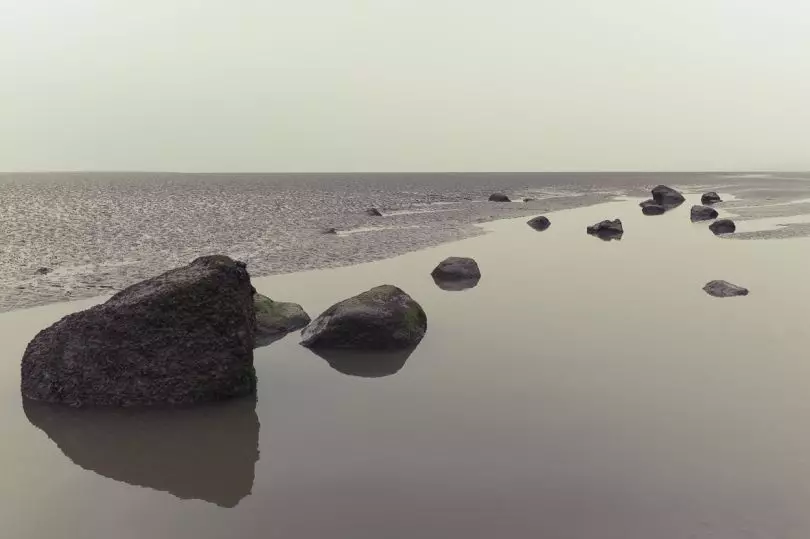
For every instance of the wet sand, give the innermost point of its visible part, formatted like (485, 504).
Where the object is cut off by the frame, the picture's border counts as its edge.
(584, 389)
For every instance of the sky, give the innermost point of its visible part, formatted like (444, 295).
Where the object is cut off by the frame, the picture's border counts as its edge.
(410, 85)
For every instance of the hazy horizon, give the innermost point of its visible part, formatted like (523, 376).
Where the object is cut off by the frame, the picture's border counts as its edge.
(315, 86)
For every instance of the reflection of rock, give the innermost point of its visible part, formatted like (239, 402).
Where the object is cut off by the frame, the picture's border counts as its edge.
(382, 318)
(607, 230)
(455, 285)
(182, 337)
(724, 289)
(206, 452)
(702, 213)
(723, 226)
(366, 363)
(498, 197)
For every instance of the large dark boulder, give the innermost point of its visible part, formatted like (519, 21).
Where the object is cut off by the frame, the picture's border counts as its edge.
(540, 223)
(456, 274)
(723, 226)
(667, 196)
(724, 289)
(274, 319)
(498, 197)
(710, 198)
(383, 318)
(653, 209)
(702, 213)
(607, 230)
(183, 337)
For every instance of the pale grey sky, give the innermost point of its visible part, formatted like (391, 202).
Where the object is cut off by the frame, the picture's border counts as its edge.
(390, 85)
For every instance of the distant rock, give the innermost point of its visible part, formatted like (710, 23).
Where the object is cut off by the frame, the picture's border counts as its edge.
(373, 212)
(723, 226)
(383, 318)
(43, 271)
(710, 198)
(330, 231)
(539, 223)
(276, 318)
(607, 230)
(183, 337)
(529, 199)
(702, 213)
(498, 197)
(667, 196)
(653, 209)
(456, 274)
(724, 289)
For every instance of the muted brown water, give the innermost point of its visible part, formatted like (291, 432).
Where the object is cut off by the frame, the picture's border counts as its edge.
(583, 390)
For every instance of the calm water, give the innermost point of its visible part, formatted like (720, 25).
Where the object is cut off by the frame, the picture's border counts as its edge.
(102, 232)
(583, 390)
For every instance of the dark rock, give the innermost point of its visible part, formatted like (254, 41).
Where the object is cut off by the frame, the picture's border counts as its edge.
(366, 363)
(205, 452)
(648, 202)
(183, 337)
(539, 223)
(529, 199)
(723, 226)
(607, 230)
(373, 212)
(330, 231)
(724, 289)
(653, 209)
(43, 271)
(667, 196)
(455, 274)
(710, 198)
(703, 213)
(498, 197)
(277, 318)
(383, 318)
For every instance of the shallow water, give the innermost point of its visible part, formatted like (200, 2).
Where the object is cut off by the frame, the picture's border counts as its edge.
(583, 389)
(102, 232)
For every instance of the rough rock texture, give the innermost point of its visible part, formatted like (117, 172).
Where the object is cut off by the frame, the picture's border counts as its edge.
(274, 317)
(373, 212)
(205, 452)
(702, 213)
(182, 337)
(540, 223)
(667, 196)
(607, 230)
(498, 197)
(456, 274)
(383, 318)
(653, 209)
(723, 226)
(710, 198)
(724, 289)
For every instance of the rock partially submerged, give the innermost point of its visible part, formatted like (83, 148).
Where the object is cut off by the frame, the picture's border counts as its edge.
(373, 212)
(498, 197)
(653, 209)
(667, 196)
(648, 202)
(607, 230)
(724, 289)
(723, 226)
(702, 213)
(456, 274)
(540, 223)
(383, 318)
(710, 198)
(183, 337)
(277, 318)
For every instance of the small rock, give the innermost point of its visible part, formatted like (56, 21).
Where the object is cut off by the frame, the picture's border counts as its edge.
(723, 226)
(529, 199)
(667, 196)
(277, 317)
(498, 197)
(373, 212)
(539, 223)
(330, 231)
(43, 271)
(703, 213)
(383, 318)
(653, 209)
(710, 198)
(607, 230)
(456, 274)
(724, 289)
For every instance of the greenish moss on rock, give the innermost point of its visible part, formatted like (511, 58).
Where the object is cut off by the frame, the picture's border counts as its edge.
(276, 317)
